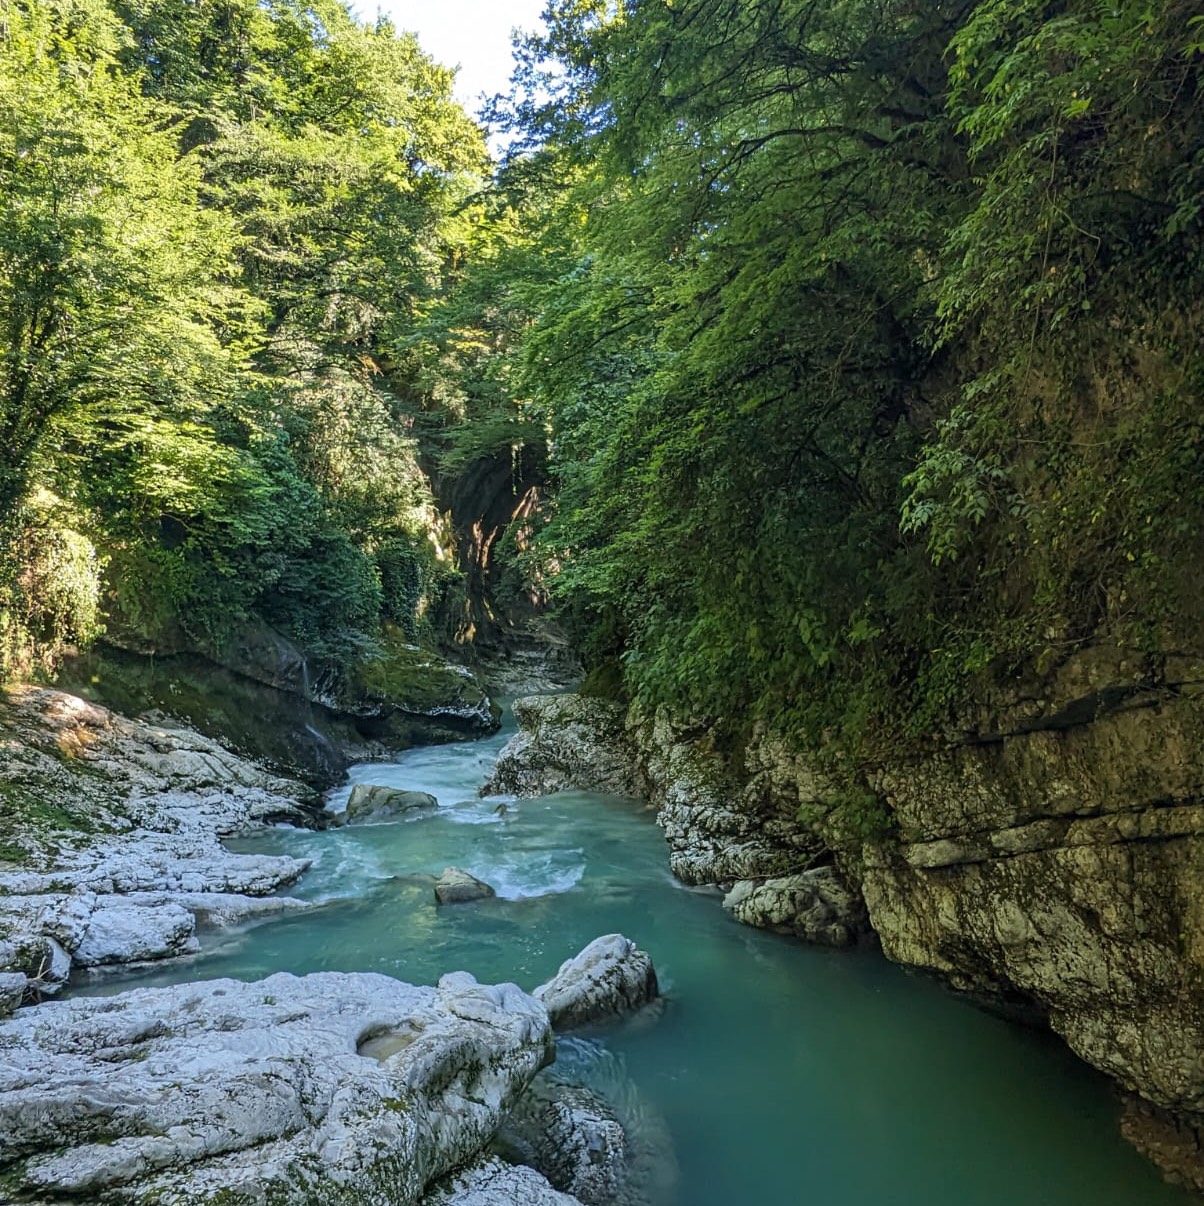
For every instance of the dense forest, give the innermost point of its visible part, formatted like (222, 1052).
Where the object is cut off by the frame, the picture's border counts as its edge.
(855, 341)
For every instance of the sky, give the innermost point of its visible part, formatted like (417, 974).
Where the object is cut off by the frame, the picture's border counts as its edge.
(471, 34)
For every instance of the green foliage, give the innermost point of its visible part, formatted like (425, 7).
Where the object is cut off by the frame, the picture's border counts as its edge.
(49, 585)
(218, 226)
(869, 374)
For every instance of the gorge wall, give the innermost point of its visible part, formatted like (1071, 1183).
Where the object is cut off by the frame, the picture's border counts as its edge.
(1048, 858)
(1052, 856)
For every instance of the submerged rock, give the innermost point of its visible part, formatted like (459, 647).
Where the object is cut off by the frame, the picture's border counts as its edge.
(566, 741)
(585, 1126)
(816, 905)
(493, 1182)
(456, 886)
(374, 802)
(609, 978)
(331, 1087)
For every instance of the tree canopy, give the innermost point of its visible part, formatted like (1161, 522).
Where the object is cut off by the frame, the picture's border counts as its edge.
(855, 337)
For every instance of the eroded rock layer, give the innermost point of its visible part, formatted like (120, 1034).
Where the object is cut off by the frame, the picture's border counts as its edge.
(334, 1088)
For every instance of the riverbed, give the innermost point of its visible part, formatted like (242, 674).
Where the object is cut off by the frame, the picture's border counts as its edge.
(776, 1074)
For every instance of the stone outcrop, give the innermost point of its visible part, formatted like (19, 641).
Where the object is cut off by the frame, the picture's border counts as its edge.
(566, 741)
(492, 1182)
(1048, 854)
(724, 824)
(817, 906)
(609, 978)
(1060, 859)
(264, 697)
(721, 823)
(111, 837)
(333, 1088)
(370, 802)
(457, 886)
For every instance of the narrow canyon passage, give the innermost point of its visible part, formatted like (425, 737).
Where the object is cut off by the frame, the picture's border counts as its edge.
(775, 1073)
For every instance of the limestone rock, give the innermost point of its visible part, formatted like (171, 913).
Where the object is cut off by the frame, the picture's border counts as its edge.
(13, 986)
(456, 886)
(261, 694)
(114, 828)
(492, 1182)
(718, 827)
(585, 1126)
(816, 906)
(609, 978)
(339, 1088)
(566, 741)
(569, 1134)
(373, 802)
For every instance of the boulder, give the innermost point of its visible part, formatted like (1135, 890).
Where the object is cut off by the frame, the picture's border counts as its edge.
(585, 1126)
(456, 886)
(609, 978)
(375, 802)
(566, 741)
(816, 906)
(339, 1088)
(570, 1135)
(492, 1182)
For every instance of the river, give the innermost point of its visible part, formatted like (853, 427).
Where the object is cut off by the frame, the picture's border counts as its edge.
(785, 1075)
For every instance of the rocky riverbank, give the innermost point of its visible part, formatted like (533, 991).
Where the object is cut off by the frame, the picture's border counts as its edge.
(1051, 864)
(265, 698)
(334, 1088)
(111, 838)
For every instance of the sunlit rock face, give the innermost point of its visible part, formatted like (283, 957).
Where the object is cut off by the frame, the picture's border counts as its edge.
(333, 1088)
(112, 838)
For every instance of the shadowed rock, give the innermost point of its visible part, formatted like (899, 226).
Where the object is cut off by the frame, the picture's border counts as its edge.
(816, 905)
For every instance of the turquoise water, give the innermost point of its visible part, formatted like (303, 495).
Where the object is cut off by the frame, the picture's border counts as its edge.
(785, 1075)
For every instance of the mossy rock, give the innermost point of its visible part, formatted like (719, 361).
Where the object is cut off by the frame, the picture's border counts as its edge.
(406, 678)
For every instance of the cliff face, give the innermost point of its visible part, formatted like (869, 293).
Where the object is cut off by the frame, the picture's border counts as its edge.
(263, 697)
(1051, 855)
(1062, 859)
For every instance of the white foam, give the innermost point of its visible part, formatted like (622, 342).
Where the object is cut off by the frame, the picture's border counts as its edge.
(529, 876)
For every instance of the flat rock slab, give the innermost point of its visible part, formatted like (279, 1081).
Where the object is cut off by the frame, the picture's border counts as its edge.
(609, 978)
(335, 1088)
(119, 825)
(456, 886)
